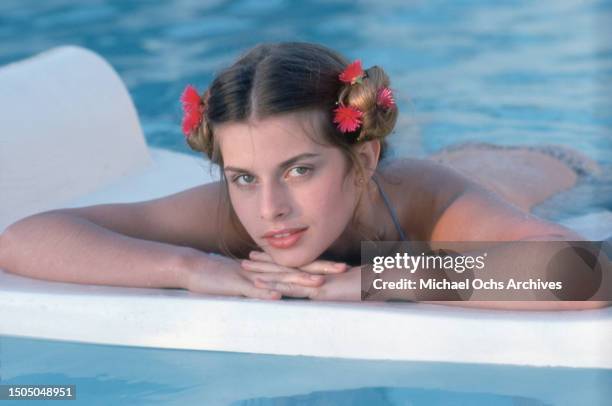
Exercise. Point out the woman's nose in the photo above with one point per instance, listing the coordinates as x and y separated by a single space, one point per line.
274 201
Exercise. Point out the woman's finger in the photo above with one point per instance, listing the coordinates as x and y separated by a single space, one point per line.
274 272
297 277
324 267
260 256
293 277
261 292
288 289
260 266
315 267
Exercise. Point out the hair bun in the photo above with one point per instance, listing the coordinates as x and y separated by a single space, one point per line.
378 120
200 139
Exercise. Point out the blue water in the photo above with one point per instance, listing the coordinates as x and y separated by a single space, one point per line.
112 375
506 72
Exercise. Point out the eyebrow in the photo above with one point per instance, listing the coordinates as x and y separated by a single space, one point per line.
283 165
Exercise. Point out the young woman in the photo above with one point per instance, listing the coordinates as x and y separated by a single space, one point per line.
299 135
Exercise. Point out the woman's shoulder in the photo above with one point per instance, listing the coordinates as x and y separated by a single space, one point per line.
420 190
422 175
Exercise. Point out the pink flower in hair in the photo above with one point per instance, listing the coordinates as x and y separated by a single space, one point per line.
384 98
348 118
353 73
193 110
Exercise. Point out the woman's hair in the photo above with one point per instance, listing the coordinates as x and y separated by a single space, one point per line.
276 78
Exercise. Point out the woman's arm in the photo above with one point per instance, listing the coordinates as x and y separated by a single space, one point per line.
169 242
65 247
125 244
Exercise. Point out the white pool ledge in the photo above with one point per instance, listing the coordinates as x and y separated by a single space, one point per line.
164 318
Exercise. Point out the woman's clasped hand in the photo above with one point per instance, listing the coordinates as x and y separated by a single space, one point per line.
318 280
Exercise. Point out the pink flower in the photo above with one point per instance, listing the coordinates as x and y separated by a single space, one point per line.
193 110
385 98
348 118
353 73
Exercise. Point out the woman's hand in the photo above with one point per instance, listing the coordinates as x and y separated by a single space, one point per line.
345 286
332 281
263 262
219 275
302 282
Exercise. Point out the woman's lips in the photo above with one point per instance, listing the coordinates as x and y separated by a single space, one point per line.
286 242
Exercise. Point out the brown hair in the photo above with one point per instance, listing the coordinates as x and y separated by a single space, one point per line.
276 78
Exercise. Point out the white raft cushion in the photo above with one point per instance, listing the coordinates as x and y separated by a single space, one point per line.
83 165
68 126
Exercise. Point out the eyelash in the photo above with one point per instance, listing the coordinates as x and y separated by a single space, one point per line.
236 178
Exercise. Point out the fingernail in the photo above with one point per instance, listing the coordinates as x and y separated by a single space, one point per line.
340 266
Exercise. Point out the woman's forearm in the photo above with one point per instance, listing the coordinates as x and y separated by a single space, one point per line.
64 247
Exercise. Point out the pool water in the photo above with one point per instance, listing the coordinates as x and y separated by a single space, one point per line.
109 375
507 72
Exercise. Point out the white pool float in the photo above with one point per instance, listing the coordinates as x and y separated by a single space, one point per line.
71 137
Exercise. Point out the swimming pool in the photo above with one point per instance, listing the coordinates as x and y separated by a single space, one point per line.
136 376
509 74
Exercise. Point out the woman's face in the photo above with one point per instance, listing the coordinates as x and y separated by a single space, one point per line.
279 179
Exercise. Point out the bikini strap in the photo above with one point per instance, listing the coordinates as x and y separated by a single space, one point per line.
391 211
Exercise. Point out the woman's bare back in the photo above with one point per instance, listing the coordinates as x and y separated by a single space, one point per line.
525 176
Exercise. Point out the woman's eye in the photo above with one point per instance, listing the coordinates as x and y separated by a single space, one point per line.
237 178
301 170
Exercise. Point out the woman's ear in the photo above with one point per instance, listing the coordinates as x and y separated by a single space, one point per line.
368 153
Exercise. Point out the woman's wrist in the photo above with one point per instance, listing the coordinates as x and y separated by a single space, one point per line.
188 262
192 263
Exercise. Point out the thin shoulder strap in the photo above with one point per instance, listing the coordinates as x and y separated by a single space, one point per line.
391 211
